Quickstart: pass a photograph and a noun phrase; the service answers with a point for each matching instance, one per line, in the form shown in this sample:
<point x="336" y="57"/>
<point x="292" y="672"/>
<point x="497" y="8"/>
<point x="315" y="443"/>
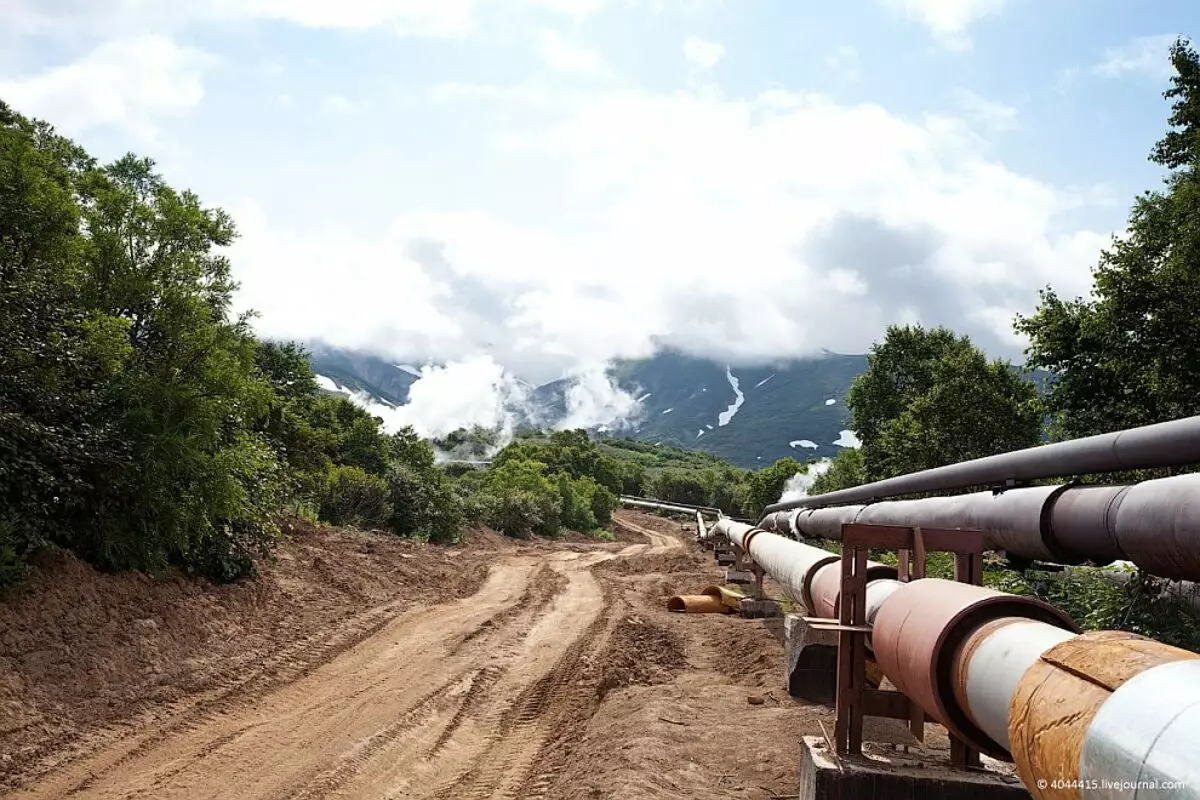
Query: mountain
<point x="748" y="415"/>
<point x="789" y="408"/>
<point x="355" y="372"/>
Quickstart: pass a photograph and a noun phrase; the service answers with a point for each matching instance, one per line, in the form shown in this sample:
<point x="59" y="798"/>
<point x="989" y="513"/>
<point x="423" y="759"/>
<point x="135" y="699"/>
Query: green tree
<point x="930" y="397"/>
<point x="1127" y="356"/>
<point x="845" y="471"/>
<point x="764" y="486"/>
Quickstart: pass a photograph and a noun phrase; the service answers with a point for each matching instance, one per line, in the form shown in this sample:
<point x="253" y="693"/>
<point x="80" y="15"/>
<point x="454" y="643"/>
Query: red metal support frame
<point x="855" y="698"/>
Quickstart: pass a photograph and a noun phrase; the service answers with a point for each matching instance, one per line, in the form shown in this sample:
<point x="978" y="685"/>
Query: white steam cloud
<point x="798" y="485"/>
<point x="461" y="394"/>
<point x="478" y="391"/>
<point x="594" y="399"/>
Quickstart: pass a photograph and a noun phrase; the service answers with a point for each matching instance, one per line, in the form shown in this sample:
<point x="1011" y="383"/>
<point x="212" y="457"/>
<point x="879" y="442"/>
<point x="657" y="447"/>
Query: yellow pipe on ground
<point x="728" y="597"/>
<point x="697" y="604"/>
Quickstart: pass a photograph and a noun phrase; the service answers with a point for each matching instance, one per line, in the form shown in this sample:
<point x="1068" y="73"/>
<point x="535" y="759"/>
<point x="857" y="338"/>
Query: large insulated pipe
<point x="1154" y="524"/>
<point x="807" y="574"/>
<point x="1104" y="714"/>
<point x="701" y="529"/>
<point x="926" y="627"/>
<point x="1167" y="444"/>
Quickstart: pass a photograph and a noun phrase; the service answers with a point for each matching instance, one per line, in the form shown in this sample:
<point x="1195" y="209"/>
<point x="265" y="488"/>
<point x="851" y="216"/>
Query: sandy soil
<point x="364" y="667"/>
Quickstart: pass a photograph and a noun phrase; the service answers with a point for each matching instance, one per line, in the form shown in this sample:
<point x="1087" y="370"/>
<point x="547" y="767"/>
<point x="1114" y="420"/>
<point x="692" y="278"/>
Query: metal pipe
<point x="701" y="529"/>
<point x="1105" y="707"/>
<point x="635" y="499"/>
<point x="697" y="604"/>
<point x="1166" y="444"/>
<point x="629" y="501"/>
<point x="1154" y="524"/>
<point x="808" y="575"/>
<point x="926" y="625"/>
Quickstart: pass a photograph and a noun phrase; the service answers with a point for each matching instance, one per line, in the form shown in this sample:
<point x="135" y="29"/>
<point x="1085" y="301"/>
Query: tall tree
<point x="930" y="397"/>
<point x="1128" y="355"/>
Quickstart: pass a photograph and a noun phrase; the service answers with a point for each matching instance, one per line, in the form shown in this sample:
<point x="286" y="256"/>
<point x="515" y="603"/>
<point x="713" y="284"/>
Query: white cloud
<point x="429" y="18"/>
<point x="132" y="83"/>
<point x="686" y="205"/>
<point x="563" y="55"/>
<point x="1145" y="55"/>
<point x="593" y="398"/>
<point x="990" y="114"/>
<point x="475" y="391"/>
<point x="947" y="20"/>
<point x="574" y="8"/>
<point x="844" y="61"/>
<point x="702" y="53"/>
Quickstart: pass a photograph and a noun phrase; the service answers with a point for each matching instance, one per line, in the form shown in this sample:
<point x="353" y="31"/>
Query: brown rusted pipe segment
<point x="697" y="604"/>
<point x="1058" y="697"/>
<point x="826" y="585"/>
<point x="918" y="631"/>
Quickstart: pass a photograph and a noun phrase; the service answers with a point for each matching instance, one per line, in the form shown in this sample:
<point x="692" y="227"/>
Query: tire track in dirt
<point x="453" y="700"/>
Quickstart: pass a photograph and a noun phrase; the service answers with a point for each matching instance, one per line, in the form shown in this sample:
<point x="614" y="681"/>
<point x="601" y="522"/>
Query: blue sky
<point x="547" y="184"/>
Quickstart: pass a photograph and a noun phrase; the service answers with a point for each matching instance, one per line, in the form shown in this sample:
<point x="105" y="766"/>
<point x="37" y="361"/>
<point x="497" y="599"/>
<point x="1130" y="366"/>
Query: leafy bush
<point x="424" y="504"/>
<point x="519" y="513"/>
<point x="354" y="497"/>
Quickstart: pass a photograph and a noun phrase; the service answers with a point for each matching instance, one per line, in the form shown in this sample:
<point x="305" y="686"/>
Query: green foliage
<point x="930" y="397"/>
<point x="764" y="486"/>
<point x="353" y="497"/>
<point x="1127" y="356"/>
<point x="1105" y="599"/>
<point x="846" y="470"/>
<point x="424" y="504"/>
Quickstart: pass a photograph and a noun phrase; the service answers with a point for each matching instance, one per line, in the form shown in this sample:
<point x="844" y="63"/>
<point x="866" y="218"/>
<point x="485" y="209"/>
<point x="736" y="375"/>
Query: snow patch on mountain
<point x="764" y="380"/>
<point x="804" y="443"/>
<point x="668" y="411"/>
<point x="409" y="368"/>
<point x="725" y="416"/>
<point x="329" y="384"/>
<point x="831" y="401"/>
<point x="701" y="433"/>
<point x="847" y="439"/>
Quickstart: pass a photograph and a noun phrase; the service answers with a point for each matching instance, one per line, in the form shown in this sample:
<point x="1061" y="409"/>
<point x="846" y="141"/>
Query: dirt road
<point x="452" y="700"/>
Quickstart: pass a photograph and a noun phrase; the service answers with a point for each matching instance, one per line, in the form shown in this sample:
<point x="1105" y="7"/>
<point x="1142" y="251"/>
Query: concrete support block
<point x="810" y="658"/>
<point x="760" y="609"/>
<point x="724" y="559"/>
<point x="827" y="776"/>
<point x="739" y="576"/>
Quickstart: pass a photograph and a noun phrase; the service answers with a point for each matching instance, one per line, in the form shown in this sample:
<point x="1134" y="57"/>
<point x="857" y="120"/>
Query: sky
<point x="549" y="184"/>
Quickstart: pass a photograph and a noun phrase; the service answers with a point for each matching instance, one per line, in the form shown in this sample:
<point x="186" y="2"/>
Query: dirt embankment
<point x="363" y="667"/>
<point x="81" y="650"/>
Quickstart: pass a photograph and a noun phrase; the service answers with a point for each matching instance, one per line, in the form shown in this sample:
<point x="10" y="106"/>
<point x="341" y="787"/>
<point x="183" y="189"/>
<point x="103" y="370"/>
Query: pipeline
<point x="702" y="532"/>
<point x="1167" y="444"/>
<point x="1154" y="524"/>
<point x="1014" y="678"/>
<point x="649" y="502"/>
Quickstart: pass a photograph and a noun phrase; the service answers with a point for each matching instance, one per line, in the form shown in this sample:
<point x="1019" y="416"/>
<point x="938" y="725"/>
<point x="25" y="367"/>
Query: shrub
<point x="352" y="496"/>
<point x="424" y="504"/>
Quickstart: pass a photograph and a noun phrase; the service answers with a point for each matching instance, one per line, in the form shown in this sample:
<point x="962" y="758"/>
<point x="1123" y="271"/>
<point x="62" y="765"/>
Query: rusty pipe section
<point x="1108" y="714"/>
<point x="1166" y="444"/>
<point x="1154" y="524"/>
<point x="926" y="634"/>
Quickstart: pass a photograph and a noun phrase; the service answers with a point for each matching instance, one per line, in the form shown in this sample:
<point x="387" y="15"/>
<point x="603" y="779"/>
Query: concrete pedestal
<point x="810" y="658"/>
<point x="760" y="609"/>
<point x="739" y="576"/>
<point x="826" y="776"/>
